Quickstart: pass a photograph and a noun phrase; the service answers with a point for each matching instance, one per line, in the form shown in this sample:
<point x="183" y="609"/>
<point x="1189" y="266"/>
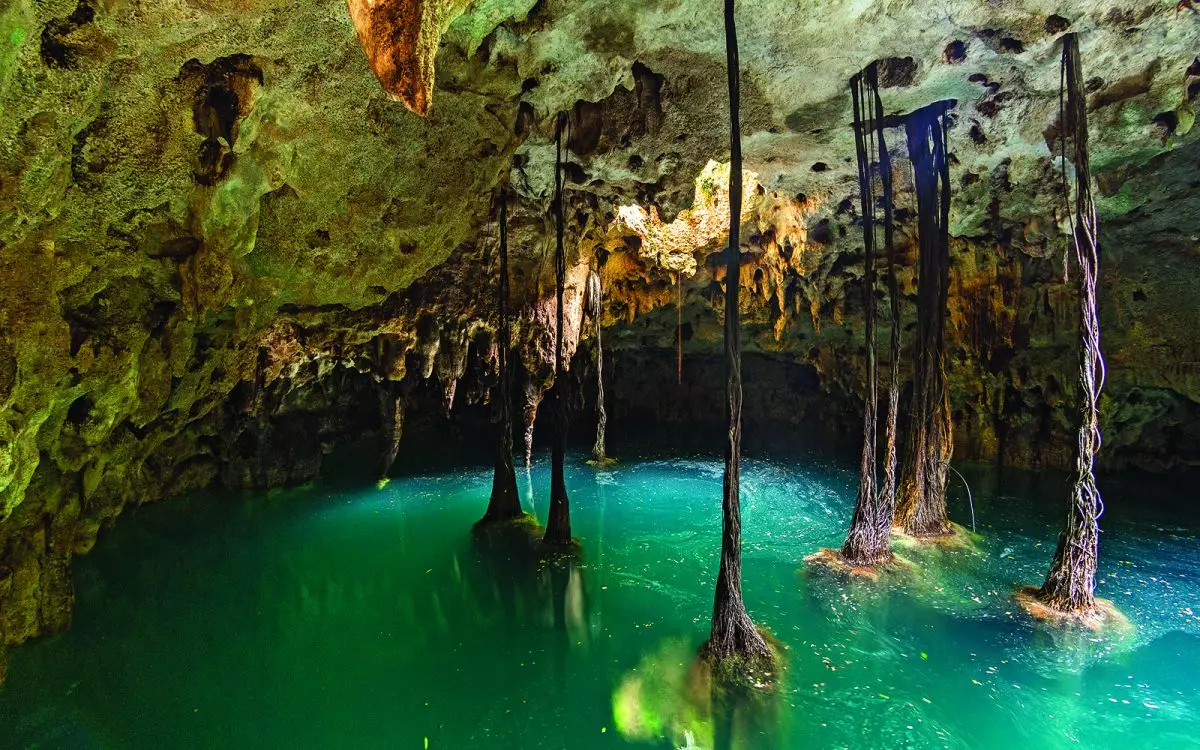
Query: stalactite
<point x="262" y="414"/>
<point x="429" y="343"/>
<point x="733" y="632"/>
<point x="531" y="400"/>
<point x="505" y="502"/>
<point x="391" y="415"/>
<point x="450" y="364"/>
<point x="679" y="326"/>
<point x="595" y="307"/>
<point x="869" y="539"/>
<point x="921" y="497"/>
<point x="558" y="525"/>
<point x="1071" y="583"/>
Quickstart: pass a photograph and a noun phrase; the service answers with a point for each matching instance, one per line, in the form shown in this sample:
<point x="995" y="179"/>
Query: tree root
<point x="553" y="552"/>
<point x="832" y="560"/>
<point x="1103" y="616"/>
<point x="957" y="537"/>
<point x="521" y="534"/>
<point x="760" y="669"/>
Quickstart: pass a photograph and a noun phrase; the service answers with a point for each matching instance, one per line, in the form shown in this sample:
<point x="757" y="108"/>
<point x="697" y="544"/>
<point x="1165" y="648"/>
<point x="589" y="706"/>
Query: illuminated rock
<point x="401" y="38"/>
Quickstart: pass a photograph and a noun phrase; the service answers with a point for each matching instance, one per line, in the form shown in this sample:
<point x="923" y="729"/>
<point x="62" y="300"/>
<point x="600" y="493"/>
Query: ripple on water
<point x="363" y="615"/>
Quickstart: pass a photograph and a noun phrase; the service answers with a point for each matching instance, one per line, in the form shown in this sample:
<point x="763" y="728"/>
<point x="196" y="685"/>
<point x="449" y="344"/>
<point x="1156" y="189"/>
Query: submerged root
<point x="521" y="535"/>
<point x="556" y="551"/>
<point x="833" y="560"/>
<point x="755" y="664"/>
<point x="674" y="697"/>
<point x="956" y="537"/>
<point x="1104" y="615"/>
<point x="602" y="462"/>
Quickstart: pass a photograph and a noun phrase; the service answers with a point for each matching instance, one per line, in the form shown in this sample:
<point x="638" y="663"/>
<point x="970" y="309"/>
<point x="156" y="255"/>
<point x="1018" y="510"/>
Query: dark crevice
<point x="895" y="72"/>
<point x="57" y="49"/>
<point x="1056" y="24"/>
<point x="224" y="96"/>
<point x="955" y="53"/>
<point x="78" y="411"/>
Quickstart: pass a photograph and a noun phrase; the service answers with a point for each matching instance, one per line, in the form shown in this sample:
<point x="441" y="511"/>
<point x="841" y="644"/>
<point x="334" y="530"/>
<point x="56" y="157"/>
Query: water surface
<point x="349" y="615"/>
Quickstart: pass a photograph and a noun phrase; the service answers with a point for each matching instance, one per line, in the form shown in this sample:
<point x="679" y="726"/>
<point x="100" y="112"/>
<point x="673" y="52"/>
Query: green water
<point x="354" y="616"/>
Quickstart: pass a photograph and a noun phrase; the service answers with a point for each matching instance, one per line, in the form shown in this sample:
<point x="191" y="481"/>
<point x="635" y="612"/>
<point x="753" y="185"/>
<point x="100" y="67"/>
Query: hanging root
<point x="558" y="521"/>
<point x="970" y="499"/>
<point x="595" y="296"/>
<point x="734" y="639"/>
<point x="1070" y="585"/>
<point x="921" y="495"/>
<point x="505" y="501"/>
<point x="868" y="542"/>
<point x="679" y="327"/>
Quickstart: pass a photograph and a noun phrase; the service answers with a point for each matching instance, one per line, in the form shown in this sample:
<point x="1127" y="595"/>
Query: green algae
<point x="481" y="18"/>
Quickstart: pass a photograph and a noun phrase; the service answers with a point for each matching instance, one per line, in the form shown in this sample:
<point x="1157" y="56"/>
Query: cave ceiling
<point x="179" y="178"/>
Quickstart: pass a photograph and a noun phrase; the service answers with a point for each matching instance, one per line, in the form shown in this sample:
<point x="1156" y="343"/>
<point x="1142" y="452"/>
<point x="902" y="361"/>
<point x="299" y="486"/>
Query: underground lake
<point x="348" y="614"/>
<point x="570" y="374"/>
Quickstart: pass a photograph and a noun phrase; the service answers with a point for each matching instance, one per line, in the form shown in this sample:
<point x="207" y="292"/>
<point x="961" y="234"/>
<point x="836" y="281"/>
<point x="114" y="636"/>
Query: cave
<point x="577" y="374"/>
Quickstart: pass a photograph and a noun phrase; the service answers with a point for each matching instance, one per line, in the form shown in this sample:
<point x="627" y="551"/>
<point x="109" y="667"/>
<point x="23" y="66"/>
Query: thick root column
<point x="869" y="539"/>
<point x="888" y="494"/>
<point x="558" y="525"/>
<point x="733" y="632"/>
<point x="505" y="502"/>
<point x="1071" y="583"/>
<point x="921" y="498"/>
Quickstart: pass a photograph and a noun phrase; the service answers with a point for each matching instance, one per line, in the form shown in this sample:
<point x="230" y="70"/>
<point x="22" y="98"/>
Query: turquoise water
<point x="345" y="615"/>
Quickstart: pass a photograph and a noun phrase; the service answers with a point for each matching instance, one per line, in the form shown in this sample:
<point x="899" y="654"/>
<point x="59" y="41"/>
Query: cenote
<point x="694" y="375"/>
<point x="344" y="614"/>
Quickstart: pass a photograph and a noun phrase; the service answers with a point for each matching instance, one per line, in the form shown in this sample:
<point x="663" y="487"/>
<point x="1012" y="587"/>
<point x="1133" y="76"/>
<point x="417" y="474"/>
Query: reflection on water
<point x="671" y="697"/>
<point x="369" y="616"/>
